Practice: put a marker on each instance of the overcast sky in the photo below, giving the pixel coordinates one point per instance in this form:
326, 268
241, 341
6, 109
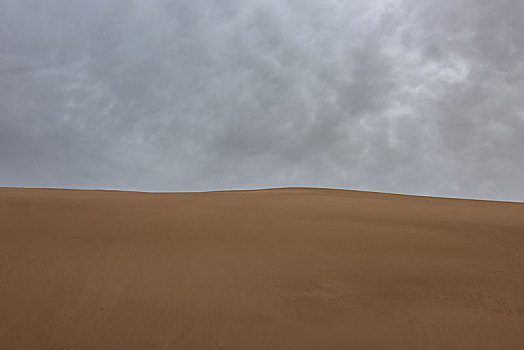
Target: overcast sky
419, 97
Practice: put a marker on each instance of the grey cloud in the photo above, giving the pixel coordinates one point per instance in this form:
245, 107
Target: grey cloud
399, 96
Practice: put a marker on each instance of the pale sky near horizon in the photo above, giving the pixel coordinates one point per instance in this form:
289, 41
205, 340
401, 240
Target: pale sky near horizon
417, 97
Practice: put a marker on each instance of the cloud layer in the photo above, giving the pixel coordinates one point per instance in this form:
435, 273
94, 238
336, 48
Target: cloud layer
399, 96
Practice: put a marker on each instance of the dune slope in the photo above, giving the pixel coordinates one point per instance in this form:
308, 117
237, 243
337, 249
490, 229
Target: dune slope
269, 269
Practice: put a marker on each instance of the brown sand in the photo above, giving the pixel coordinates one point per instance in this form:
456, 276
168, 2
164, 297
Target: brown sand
269, 269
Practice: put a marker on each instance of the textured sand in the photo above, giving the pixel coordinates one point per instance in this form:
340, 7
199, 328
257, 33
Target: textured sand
270, 269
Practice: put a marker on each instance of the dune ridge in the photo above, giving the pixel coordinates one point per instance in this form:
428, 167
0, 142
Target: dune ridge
278, 268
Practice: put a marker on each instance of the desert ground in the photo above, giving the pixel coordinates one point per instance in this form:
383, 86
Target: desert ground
292, 268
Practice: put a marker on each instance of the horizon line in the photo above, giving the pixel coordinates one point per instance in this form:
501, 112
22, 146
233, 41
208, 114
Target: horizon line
258, 189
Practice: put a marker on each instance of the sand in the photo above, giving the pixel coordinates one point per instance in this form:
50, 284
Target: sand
270, 269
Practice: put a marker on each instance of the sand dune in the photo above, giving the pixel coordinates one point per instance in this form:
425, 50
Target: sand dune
269, 269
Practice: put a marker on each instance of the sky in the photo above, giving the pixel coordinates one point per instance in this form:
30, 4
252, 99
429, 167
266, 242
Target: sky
416, 97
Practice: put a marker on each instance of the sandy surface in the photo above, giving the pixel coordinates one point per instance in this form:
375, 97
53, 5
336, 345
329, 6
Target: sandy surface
270, 269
